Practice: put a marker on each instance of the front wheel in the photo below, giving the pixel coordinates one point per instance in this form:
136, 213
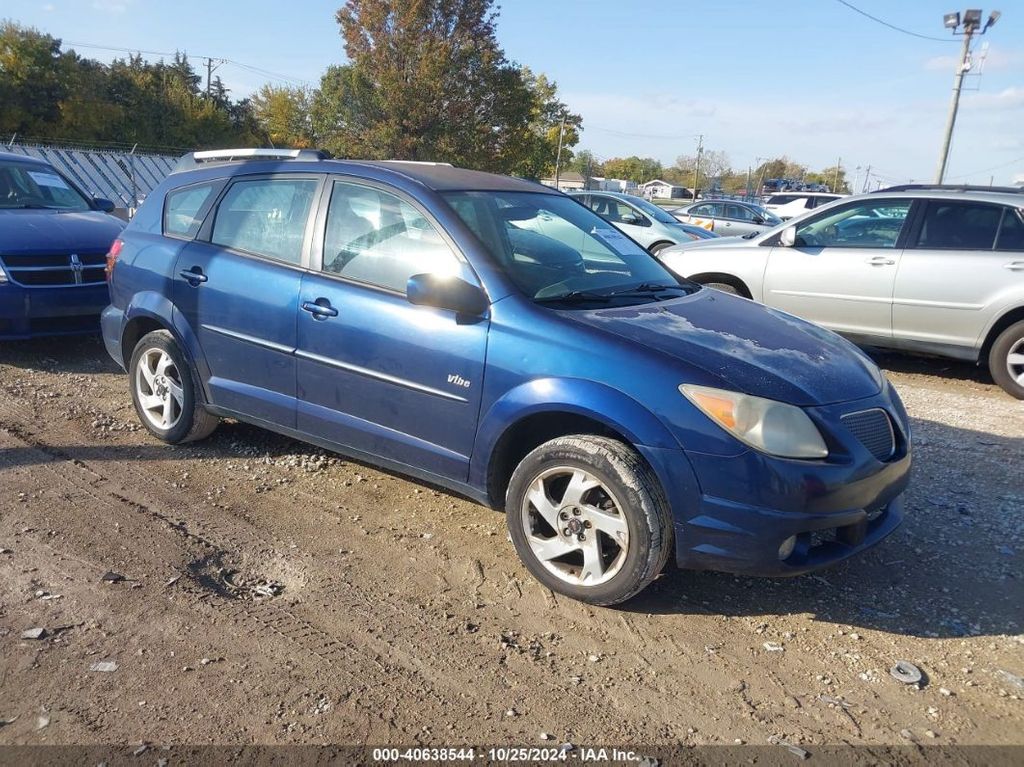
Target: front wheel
589, 519
1006, 360
164, 391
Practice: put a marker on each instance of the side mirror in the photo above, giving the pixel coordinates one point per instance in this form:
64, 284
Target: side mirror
787, 238
758, 220
630, 218
450, 293
103, 204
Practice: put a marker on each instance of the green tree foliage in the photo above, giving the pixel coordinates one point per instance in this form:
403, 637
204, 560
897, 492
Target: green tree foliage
53, 95
638, 169
285, 114
427, 80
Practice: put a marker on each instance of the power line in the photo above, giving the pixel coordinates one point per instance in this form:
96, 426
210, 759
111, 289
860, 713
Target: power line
624, 134
884, 23
248, 67
994, 167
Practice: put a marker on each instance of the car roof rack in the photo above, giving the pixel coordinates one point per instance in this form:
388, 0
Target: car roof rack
952, 188
194, 160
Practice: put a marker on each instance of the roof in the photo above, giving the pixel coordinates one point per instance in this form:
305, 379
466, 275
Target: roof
652, 182
11, 156
567, 175
441, 177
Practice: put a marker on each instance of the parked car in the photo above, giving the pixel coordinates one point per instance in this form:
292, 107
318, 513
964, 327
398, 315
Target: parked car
53, 245
492, 336
727, 217
650, 225
788, 205
938, 270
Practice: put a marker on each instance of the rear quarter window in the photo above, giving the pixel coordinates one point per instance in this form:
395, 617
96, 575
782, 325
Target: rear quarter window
185, 209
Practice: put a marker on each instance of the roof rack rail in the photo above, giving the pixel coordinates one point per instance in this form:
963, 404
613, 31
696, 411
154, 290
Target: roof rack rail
953, 188
194, 160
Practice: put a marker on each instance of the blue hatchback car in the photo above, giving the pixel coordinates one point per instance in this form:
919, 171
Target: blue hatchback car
499, 339
53, 246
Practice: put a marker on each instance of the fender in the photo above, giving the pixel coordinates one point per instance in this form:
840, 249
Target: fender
1010, 299
591, 399
157, 307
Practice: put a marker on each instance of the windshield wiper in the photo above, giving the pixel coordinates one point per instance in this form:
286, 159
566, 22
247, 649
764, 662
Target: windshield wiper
647, 287
575, 297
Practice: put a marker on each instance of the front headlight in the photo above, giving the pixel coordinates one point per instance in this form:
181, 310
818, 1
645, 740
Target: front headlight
3, 275
769, 426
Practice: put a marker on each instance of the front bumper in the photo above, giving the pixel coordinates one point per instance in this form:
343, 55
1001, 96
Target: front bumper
733, 513
65, 310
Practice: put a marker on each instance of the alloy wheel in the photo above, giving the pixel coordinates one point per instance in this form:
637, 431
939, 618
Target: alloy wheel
1015, 362
159, 389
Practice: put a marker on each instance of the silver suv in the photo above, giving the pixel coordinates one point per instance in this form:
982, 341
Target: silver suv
933, 269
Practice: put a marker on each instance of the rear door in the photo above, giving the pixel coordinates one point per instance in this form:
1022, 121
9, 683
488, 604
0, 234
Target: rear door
375, 372
962, 254
237, 285
842, 269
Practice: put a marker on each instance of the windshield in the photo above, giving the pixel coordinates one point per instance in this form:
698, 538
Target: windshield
557, 251
24, 185
657, 213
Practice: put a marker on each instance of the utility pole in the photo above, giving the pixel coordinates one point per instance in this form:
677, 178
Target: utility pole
971, 26
696, 168
867, 179
558, 157
210, 68
835, 182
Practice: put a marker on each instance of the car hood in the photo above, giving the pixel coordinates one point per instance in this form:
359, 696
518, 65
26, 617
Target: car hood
51, 231
747, 346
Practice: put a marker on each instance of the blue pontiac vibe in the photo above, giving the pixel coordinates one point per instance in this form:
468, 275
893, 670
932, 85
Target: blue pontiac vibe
497, 338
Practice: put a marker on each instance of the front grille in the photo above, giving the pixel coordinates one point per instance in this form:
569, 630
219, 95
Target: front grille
55, 269
873, 429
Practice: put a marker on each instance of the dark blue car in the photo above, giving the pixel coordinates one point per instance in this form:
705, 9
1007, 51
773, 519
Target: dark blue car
497, 338
53, 245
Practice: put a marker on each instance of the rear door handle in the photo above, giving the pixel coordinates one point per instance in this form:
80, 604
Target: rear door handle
321, 309
1014, 266
194, 276
880, 261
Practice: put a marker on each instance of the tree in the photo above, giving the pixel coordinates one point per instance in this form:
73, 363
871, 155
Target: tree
638, 169
284, 113
714, 167
427, 81
586, 164
540, 140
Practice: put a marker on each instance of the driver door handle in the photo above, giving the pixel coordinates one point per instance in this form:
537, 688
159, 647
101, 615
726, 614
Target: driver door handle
880, 261
194, 276
321, 309
1014, 266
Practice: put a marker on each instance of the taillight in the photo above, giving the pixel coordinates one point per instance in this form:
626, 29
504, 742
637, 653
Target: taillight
112, 255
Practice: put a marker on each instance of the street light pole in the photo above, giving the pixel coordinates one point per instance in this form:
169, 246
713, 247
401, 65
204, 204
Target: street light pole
971, 26
696, 166
958, 82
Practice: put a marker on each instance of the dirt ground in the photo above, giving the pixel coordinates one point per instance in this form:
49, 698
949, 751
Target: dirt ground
251, 589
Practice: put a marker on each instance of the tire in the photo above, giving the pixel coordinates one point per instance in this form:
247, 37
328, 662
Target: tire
657, 247
725, 287
1006, 360
623, 517
164, 391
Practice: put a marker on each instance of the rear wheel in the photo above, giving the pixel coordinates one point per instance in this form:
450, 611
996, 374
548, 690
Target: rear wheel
588, 518
164, 391
1006, 360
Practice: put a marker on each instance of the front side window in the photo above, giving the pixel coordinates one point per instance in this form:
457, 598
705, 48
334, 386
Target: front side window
558, 252
868, 224
707, 210
960, 226
183, 210
266, 217
738, 213
24, 185
377, 238
615, 211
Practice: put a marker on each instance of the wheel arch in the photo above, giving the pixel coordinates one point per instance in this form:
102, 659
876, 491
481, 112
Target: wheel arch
152, 311
728, 279
1008, 318
541, 410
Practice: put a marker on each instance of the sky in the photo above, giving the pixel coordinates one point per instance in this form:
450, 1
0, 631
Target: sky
809, 79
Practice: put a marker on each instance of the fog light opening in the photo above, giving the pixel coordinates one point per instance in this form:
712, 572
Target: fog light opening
787, 547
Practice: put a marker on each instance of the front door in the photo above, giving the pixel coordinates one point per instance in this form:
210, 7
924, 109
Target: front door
238, 287
841, 270
376, 373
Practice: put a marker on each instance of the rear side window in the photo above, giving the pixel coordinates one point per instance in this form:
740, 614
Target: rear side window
266, 217
960, 226
1011, 232
376, 238
184, 210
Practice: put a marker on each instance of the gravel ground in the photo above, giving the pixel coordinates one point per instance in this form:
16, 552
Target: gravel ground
250, 589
